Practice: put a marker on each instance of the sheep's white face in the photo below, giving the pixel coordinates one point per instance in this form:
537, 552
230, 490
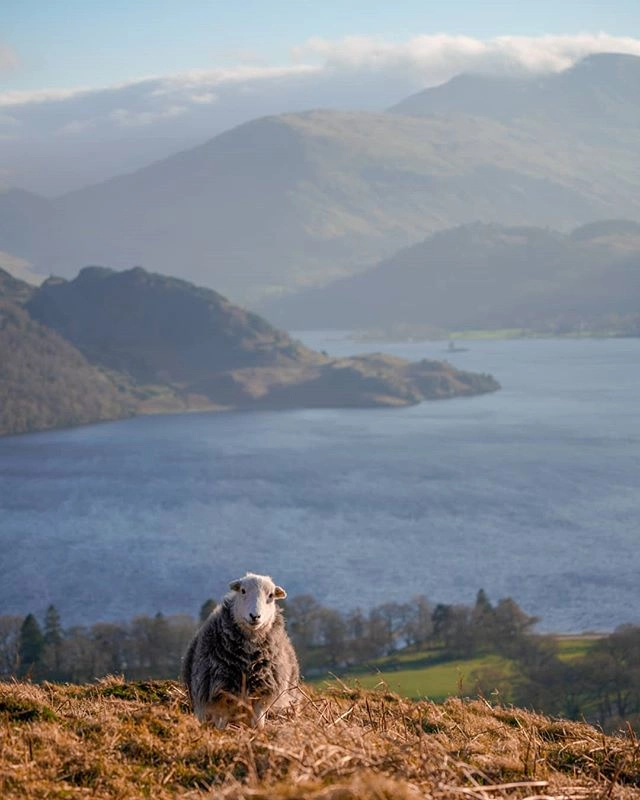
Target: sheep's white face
254, 601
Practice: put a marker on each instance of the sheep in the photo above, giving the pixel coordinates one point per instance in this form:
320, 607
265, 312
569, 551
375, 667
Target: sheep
241, 662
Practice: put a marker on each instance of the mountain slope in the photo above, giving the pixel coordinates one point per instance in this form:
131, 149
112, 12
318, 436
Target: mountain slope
46, 383
486, 276
157, 328
300, 199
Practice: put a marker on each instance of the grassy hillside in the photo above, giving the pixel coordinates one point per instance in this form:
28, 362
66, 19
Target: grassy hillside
118, 740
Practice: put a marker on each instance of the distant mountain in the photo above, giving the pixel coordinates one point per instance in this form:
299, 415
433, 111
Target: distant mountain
297, 200
111, 344
488, 276
601, 91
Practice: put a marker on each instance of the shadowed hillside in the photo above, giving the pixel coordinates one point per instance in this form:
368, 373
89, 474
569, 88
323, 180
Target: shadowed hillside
491, 277
45, 382
116, 740
157, 328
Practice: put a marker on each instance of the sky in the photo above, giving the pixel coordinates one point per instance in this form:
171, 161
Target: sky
94, 88
73, 43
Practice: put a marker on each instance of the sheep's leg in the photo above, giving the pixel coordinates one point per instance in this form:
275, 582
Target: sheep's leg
259, 715
220, 722
216, 714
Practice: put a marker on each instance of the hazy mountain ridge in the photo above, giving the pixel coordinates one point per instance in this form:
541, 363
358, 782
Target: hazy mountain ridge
487, 276
300, 199
111, 344
601, 90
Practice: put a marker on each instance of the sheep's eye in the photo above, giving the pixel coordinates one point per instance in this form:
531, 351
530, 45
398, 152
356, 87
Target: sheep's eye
271, 596
244, 591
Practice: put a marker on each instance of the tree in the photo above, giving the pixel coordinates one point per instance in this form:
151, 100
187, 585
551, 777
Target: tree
611, 674
150, 638
78, 655
419, 625
302, 622
52, 626
453, 627
387, 624
31, 645
109, 641
483, 617
359, 644
9, 645
53, 638
512, 624
333, 630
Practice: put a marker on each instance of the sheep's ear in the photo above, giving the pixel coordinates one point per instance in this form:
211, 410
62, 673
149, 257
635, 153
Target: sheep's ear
235, 585
280, 593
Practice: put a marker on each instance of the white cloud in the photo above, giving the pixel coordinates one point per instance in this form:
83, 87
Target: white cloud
165, 85
134, 119
434, 58
203, 98
19, 97
421, 60
231, 75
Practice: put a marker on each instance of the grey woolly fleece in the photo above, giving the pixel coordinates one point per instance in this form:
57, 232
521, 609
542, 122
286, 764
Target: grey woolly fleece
224, 659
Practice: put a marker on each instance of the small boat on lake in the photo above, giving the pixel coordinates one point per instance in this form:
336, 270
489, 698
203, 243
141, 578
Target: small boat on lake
453, 348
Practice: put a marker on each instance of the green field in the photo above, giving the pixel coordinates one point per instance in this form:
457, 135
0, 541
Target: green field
435, 682
425, 675
571, 647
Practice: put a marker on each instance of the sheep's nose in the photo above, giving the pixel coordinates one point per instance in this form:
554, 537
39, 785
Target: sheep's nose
254, 617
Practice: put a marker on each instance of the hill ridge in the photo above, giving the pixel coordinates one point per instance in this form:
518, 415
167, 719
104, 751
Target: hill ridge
115, 739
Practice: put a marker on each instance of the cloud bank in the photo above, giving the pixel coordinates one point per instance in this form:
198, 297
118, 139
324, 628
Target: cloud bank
106, 130
435, 58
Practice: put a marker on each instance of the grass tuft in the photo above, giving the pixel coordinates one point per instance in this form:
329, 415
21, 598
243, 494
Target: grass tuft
24, 710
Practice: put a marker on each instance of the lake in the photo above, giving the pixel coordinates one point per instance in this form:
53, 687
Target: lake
532, 492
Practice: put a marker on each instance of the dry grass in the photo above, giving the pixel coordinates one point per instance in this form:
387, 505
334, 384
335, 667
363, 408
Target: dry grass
134, 740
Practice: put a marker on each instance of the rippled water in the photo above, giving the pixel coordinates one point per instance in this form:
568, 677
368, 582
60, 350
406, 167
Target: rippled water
532, 492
